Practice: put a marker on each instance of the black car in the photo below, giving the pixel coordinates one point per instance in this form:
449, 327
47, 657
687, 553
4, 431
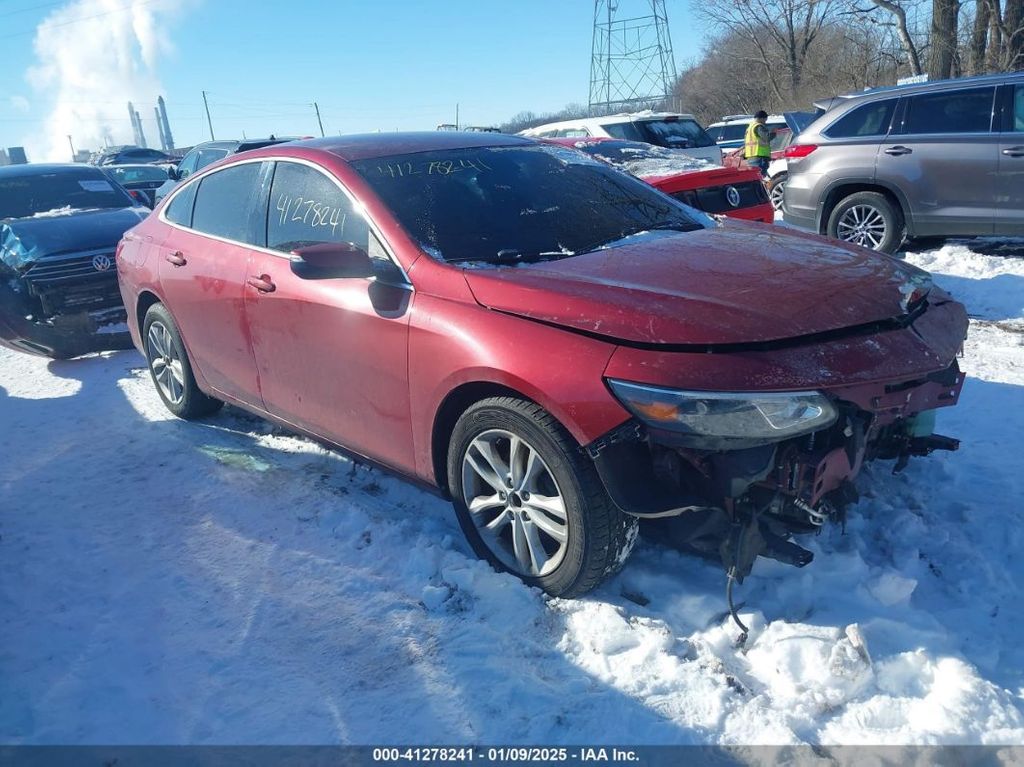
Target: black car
135, 155
59, 228
141, 181
201, 155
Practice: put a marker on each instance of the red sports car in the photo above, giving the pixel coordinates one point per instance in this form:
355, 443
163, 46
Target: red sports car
736, 192
548, 341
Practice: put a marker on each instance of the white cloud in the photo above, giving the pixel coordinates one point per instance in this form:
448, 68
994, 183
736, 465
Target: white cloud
92, 58
19, 103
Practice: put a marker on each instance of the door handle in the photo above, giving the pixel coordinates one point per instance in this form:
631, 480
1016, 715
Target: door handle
898, 150
177, 258
1014, 151
262, 283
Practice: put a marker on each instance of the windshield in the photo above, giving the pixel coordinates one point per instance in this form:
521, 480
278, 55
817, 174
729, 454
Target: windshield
643, 160
511, 204
133, 175
672, 132
58, 193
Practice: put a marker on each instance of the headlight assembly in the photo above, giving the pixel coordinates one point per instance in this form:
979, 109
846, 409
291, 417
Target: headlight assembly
741, 416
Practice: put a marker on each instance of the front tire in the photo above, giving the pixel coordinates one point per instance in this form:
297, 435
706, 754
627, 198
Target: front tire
530, 502
867, 219
170, 368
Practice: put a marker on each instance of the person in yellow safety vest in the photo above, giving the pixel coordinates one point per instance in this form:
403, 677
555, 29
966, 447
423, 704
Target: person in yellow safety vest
757, 150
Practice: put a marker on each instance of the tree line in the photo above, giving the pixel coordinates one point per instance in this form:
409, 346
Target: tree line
781, 55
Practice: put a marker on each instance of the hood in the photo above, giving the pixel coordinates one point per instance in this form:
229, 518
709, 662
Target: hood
23, 241
714, 176
734, 283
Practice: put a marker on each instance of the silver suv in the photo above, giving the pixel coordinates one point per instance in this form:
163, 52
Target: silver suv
933, 159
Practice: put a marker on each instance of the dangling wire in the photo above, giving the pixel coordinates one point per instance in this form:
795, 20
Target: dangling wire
732, 610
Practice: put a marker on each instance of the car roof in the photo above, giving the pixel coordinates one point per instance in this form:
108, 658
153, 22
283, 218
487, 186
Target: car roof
363, 146
621, 117
39, 169
912, 88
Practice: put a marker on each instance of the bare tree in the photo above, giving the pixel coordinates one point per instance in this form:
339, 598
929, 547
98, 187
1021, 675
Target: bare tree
979, 37
898, 11
945, 21
781, 33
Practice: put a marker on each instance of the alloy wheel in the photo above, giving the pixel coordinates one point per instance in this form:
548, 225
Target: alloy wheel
515, 503
775, 194
165, 363
862, 225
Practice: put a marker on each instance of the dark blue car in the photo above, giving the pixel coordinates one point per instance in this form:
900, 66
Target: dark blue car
59, 228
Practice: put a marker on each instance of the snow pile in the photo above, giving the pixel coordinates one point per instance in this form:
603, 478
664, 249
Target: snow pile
226, 582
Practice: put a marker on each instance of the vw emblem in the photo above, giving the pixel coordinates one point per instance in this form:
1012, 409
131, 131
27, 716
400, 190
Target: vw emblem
101, 263
732, 194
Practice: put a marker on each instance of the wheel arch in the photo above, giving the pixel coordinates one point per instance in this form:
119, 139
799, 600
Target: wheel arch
454, 404
838, 190
145, 300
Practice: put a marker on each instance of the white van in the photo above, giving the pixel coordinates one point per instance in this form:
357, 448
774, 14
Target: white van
667, 129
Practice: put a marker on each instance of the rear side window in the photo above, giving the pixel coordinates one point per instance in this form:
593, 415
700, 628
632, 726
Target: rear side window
224, 203
179, 209
966, 111
308, 208
870, 119
1017, 116
627, 131
209, 156
733, 132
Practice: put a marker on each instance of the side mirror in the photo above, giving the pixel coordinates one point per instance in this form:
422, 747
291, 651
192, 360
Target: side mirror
173, 175
326, 260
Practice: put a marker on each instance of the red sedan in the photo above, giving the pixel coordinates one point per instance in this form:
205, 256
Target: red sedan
735, 192
551, 343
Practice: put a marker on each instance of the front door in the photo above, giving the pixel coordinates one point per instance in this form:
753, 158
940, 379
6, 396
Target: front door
203, 266
1010, 202
943, 157
332, 354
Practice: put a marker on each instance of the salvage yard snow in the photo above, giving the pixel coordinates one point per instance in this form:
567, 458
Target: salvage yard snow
224, 582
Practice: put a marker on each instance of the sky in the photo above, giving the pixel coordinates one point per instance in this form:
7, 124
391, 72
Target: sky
70, 67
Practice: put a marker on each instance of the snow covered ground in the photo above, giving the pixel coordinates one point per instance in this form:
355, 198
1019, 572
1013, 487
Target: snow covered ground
224, 582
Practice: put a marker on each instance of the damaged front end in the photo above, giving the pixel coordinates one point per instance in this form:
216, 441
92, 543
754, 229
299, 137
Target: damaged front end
740, 473
62, 304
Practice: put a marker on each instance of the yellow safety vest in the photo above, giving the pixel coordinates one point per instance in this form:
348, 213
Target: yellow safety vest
753, 146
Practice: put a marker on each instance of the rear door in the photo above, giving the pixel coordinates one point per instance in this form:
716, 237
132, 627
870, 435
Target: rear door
332, 353
942, 155
1010, 194
202, 267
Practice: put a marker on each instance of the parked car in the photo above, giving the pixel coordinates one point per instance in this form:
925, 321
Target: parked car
936, 159
201, 155
59, 227
134, 155
141, 181
778, 168
667, 129
732, 130
734, 192
555, 345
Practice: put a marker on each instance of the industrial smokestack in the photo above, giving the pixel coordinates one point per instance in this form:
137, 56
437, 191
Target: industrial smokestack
136, 127
160, 128
165, 124
142, 136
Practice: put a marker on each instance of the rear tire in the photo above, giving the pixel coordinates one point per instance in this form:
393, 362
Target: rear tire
572, 534
776, 188
170, 369
867, 219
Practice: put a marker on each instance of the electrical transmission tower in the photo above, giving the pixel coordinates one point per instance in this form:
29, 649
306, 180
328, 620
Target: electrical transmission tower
631, 64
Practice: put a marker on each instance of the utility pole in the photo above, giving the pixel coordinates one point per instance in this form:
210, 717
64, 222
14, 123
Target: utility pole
456, 116
71, 144
318, 120
208, 120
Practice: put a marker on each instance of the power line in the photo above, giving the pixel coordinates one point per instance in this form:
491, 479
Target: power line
80, 19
